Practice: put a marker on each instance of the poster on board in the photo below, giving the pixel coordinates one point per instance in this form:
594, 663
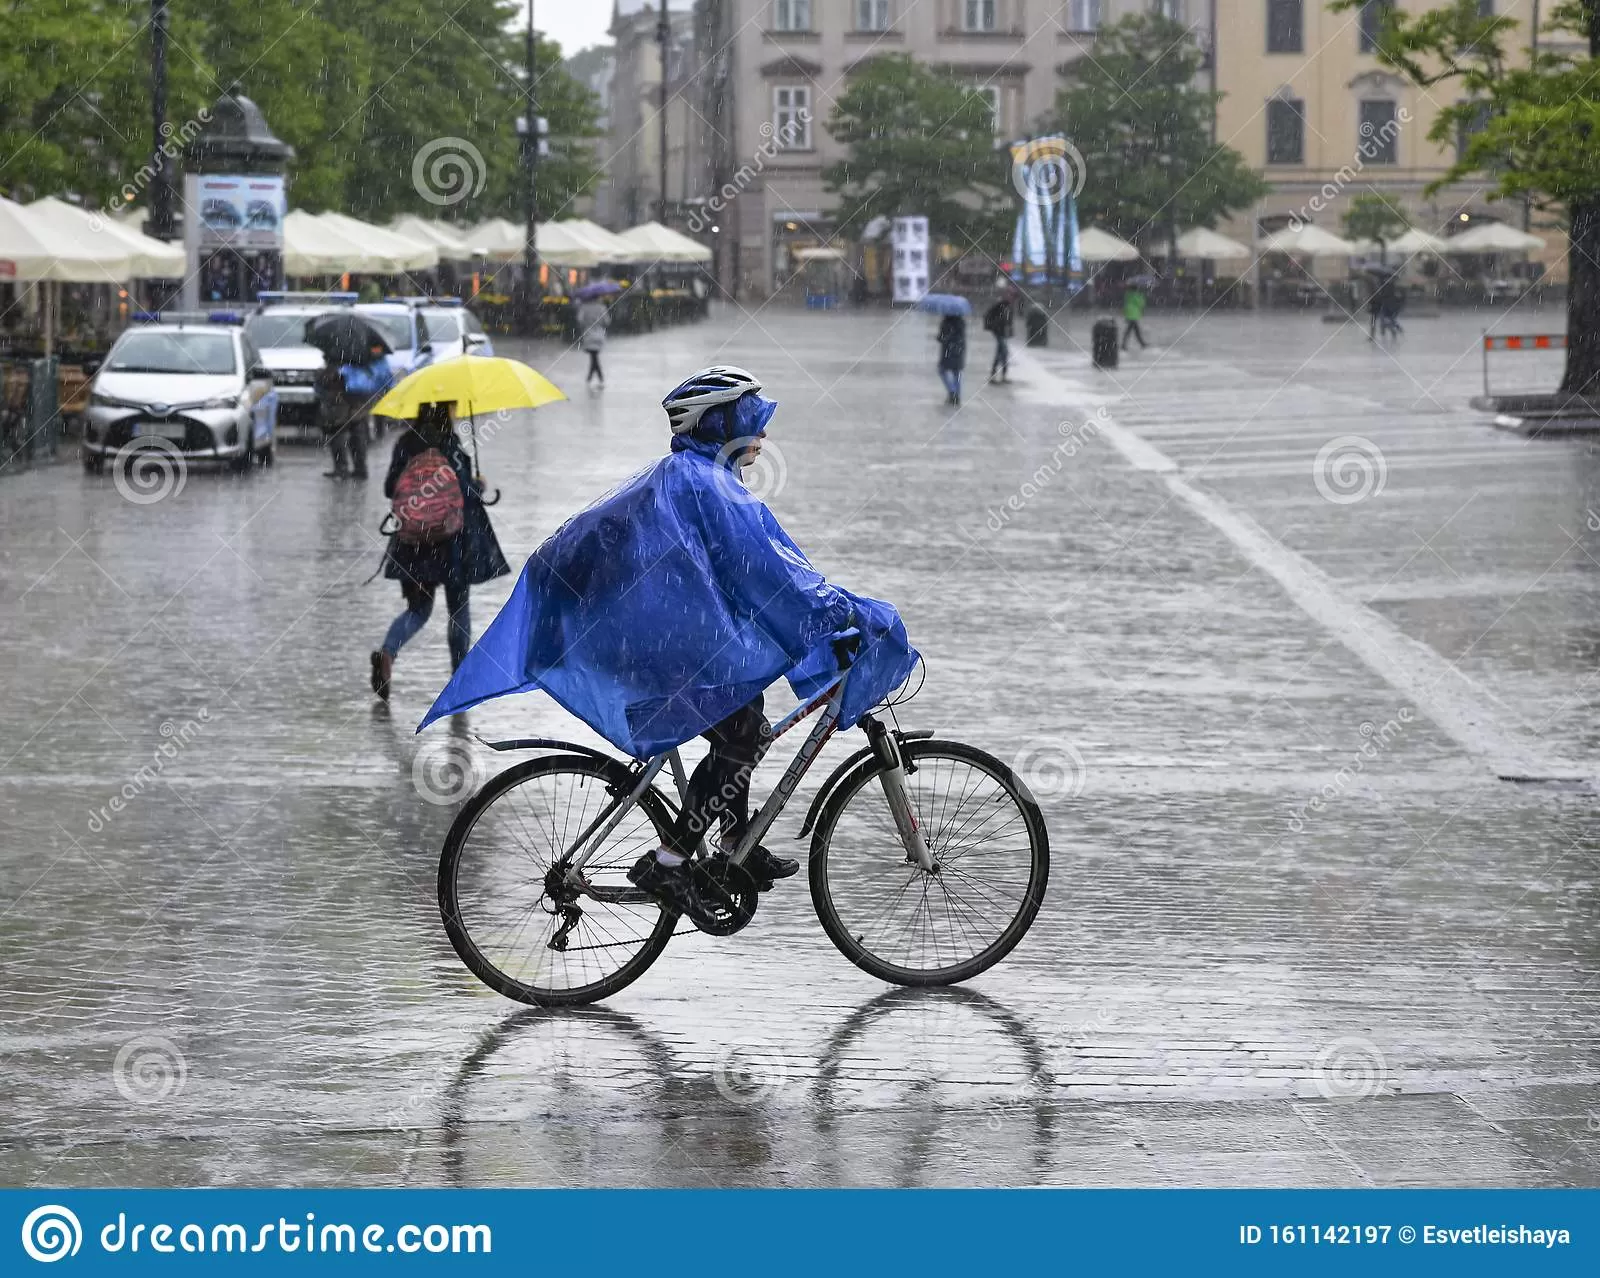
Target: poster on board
911, 265
238, 211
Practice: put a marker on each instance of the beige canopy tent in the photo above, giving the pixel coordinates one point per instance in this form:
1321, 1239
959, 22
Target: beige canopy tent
1308, 240
150, 259
1416, 241
612, 247
1095, 245
497, 239
37, 248
1493, 237
652, 242
450, 241
1212, 246
399, 252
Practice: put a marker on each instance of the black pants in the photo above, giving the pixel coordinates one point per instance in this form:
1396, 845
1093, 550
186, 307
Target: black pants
1002, 357
719, 790
594, 367
1132, 331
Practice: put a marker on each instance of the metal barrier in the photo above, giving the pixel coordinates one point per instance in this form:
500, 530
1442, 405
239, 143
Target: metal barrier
1524, 342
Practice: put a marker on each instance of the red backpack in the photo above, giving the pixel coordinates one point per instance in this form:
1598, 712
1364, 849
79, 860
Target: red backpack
427, 502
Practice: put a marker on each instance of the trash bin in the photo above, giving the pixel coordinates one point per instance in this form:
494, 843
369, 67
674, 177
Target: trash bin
1038, 326
1105, 343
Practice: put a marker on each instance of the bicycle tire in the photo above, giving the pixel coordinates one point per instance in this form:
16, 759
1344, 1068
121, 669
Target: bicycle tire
853, 945
457, 926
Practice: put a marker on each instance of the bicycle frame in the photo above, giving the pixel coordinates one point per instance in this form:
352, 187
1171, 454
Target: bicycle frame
829, 701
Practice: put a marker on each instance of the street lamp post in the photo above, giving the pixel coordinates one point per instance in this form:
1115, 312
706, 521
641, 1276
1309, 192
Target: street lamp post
663, 35
161, 222
530, 145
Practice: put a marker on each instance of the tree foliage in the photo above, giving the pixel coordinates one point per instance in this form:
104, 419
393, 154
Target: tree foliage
1136, 114
919, 141
1371, 216
359, 89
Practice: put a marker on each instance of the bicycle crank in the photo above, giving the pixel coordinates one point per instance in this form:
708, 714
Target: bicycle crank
731, 893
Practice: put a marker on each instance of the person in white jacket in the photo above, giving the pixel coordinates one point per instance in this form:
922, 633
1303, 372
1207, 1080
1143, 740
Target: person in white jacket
593, 316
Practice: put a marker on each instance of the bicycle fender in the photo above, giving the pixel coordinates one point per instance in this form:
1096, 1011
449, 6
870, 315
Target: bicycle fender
547, 743
839, 774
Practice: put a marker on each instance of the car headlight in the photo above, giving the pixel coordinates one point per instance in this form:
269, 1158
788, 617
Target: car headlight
224, 401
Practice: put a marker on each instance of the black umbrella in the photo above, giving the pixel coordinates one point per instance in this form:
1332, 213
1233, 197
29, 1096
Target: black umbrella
347, 338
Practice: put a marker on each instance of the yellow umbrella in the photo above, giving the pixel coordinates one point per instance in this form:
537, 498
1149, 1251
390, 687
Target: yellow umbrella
474, 383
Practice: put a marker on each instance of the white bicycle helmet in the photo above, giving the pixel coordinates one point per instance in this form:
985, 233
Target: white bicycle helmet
719, 384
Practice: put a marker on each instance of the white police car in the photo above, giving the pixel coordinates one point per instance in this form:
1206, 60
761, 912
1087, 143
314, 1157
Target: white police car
279, 331
194, 383
454, 330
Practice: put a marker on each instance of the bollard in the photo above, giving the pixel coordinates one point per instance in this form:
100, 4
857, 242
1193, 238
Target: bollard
1105, 343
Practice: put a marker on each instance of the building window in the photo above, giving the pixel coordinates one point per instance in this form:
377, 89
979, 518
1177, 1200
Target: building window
792, 15
1286, 26
990, 93
1372, 18
872, 15
791, 116
1379, 132
1470, 127
1172, 10
979, 15
1084, 15
1286, 131
1486, 8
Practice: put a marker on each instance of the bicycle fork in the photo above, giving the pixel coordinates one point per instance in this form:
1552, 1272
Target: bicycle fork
893, 779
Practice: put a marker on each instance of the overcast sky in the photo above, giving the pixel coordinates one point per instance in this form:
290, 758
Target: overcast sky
574, 24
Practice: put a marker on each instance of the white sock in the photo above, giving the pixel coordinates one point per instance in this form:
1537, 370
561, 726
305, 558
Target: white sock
668, 859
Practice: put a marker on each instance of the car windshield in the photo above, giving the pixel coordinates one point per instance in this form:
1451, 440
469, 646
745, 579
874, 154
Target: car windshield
155, 351
396, 329
268, 329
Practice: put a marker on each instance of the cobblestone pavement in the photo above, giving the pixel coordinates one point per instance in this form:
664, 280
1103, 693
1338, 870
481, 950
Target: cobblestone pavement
1299, 930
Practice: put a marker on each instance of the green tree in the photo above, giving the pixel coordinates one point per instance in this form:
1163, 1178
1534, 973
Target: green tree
1372, 216
1530, 123
919, 141
1136, 115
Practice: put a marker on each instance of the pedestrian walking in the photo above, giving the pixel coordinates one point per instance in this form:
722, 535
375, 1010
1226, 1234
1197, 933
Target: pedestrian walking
343, 415
1133, 304
593, 316
442, 537
952, 355
1394, 299
1000, 320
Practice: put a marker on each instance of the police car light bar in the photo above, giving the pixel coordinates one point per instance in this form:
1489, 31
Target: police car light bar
187, 317
290, 295
442, 303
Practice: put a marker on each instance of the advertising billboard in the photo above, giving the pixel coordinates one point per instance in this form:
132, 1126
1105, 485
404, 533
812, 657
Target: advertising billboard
239, 212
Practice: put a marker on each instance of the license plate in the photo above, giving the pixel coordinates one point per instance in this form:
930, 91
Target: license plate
160, 430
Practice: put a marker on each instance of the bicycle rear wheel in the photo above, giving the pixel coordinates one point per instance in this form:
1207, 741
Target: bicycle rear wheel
901, 923
501, 892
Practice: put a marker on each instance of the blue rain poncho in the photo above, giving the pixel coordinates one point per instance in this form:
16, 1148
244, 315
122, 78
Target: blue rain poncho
670, 603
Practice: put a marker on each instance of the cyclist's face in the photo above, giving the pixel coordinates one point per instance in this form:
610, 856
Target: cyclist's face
752, 449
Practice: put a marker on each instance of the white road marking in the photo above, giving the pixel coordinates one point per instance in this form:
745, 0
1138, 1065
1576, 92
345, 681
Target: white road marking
1461, 707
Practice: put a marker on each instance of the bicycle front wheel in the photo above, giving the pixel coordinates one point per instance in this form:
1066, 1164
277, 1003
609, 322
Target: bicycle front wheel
903, 924
502, 891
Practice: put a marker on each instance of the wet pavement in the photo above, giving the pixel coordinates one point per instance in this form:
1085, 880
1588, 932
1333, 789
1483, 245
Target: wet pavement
1299, 929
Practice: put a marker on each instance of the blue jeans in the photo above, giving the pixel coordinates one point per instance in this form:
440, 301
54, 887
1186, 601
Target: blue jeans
420, 607
951, 377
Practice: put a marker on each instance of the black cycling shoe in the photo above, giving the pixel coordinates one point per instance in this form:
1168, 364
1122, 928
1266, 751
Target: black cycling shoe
766, 869
673, 886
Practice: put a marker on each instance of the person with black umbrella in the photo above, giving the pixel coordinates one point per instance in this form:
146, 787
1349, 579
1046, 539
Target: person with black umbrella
352, 349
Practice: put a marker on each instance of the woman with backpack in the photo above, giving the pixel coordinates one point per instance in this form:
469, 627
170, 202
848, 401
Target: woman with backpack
442, 537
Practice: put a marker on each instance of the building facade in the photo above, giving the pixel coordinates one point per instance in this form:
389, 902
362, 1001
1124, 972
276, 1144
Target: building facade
631, 192
1305, 100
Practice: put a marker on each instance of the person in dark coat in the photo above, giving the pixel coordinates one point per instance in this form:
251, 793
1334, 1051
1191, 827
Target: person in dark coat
999, 319
952, 355
470, 557
343, 416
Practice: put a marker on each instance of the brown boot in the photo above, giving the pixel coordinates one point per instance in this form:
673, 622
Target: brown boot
382, 668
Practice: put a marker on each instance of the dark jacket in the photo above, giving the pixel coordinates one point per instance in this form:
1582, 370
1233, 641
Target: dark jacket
473, 555
998, 318
953, 342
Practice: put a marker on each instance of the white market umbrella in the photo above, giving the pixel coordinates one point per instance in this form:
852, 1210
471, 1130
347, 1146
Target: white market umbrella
612, 247
1493, 237
498, 239
314, 247
561, 245
1308, 241
1416, 241
398, 252
1095, 245
451, 243
40, 248
1212, 246
150, 259
652, 242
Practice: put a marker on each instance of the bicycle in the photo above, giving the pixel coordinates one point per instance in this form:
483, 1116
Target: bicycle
580, 818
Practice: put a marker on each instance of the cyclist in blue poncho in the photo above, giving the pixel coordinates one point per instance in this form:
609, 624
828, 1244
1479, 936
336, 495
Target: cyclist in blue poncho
664, 610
